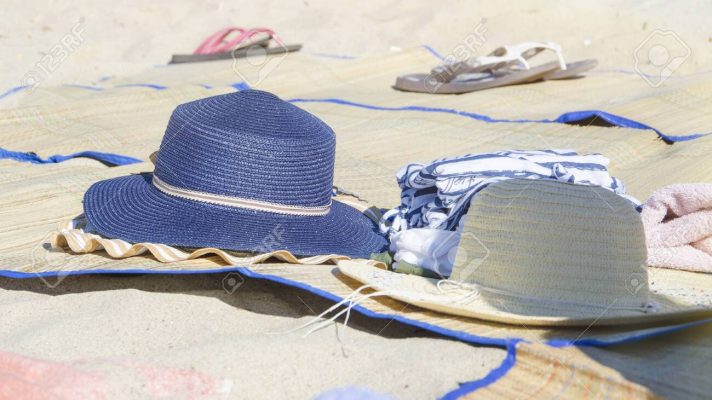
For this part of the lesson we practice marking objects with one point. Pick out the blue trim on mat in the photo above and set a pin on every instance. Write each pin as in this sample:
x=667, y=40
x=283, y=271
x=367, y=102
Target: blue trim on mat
x=653, y=76
x=85, y=87
x=14, y=90
x=335, y=56
x=615, y=341
x=493, y=376
x=622, y=122
x=146, y=85
x=240, y=86
x=568, y=117
x=50, y=274
x=433, y=51
x=107, y=158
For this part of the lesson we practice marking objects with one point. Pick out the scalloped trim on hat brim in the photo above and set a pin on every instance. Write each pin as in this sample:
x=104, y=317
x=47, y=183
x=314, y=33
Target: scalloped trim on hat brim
x=409, y=289
x=79, y=241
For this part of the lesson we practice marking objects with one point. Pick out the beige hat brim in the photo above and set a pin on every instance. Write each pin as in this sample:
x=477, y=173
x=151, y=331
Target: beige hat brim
x=687, y=296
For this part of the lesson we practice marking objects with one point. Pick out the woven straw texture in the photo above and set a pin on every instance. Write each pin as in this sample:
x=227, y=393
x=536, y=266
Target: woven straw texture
x=249, y=144
x=544, y=373
x=670, y=366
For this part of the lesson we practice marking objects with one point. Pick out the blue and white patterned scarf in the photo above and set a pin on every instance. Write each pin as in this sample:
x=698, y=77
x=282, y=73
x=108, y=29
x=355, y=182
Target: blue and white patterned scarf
x=438, y=194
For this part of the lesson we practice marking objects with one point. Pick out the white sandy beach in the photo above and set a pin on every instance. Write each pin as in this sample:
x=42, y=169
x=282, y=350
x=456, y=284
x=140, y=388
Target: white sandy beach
x=186, y=336
x=127, y=37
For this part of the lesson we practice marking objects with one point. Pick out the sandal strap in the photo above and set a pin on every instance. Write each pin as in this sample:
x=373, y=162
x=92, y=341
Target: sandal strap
x=230, y=45
x=216, y=43
x=502, y=57
x=215, y=39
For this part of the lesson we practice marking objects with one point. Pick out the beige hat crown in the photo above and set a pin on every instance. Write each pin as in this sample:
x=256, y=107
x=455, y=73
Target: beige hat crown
x=553, y=245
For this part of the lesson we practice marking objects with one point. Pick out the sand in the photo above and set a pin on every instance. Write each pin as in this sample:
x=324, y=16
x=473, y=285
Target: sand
x=121, y=38
x=185, y=336
x=231, y=344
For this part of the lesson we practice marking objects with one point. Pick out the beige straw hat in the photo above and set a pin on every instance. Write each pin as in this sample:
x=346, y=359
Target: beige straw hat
x=546, y=253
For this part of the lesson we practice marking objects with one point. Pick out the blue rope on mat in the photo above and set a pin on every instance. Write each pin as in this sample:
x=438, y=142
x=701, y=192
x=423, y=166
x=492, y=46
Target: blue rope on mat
x=85, y=87
x=433, y=51
x=575, y=116
x=13, y=91
x=593, y=342
x=146, y=85
x=335, y=56
x=106, y=158
x=569, y=117
x=493, y=376
x=240, y=86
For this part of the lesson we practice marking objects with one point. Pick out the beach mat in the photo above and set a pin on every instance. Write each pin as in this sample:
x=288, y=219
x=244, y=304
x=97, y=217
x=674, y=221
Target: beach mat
x=378, y=130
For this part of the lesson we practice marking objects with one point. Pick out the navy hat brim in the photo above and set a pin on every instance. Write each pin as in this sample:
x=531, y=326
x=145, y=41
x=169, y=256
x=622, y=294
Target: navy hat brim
x=132, y=209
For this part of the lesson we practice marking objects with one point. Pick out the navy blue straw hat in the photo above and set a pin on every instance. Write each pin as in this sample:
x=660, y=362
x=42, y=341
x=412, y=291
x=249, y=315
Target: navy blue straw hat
x=244, y=171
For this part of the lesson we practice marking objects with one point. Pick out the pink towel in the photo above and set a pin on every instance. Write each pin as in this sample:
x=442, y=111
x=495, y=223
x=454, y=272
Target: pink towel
x=678, y=227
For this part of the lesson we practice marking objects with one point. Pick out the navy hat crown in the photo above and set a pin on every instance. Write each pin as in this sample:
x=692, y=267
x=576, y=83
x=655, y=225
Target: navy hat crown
x=249, y=145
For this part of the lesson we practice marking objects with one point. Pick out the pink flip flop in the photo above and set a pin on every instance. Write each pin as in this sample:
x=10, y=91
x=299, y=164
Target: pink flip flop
x=218, y=43
x=224, y=44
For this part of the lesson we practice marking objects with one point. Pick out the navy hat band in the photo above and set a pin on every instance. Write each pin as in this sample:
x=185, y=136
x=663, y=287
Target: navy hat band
x=232, y=201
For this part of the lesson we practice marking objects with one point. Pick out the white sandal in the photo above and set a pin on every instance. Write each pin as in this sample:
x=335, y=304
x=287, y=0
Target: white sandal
x=506, y=65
